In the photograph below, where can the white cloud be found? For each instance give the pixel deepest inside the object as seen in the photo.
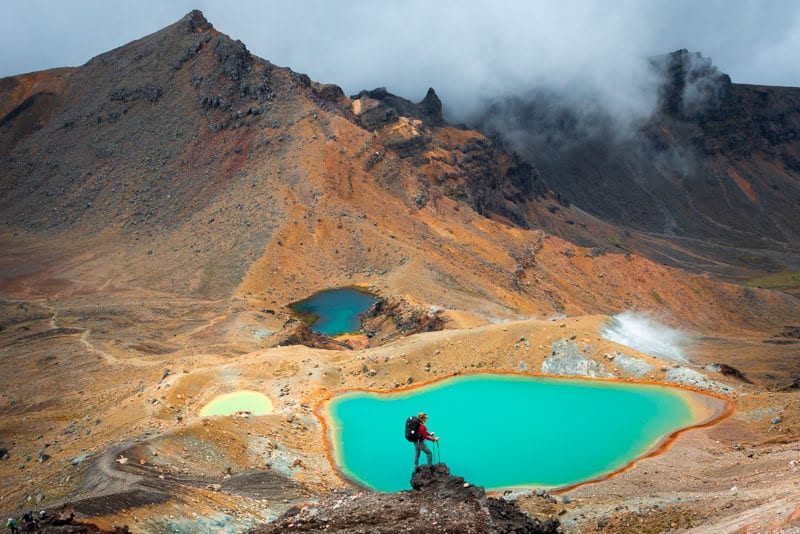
(467, 50)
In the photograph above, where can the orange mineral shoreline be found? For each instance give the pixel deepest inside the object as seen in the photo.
(704, 411)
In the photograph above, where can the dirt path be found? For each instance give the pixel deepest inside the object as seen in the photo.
(108, 490)
(103, 477)
(84, 339)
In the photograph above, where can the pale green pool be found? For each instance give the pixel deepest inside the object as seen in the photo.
(239, 401)
(504, 431)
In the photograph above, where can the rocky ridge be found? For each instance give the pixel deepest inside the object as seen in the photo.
(711, 178)
(439, 502)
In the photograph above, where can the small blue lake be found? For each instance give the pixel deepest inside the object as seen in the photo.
(505, 431)
(336, 311)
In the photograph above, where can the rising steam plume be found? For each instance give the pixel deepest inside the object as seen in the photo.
(645, 334)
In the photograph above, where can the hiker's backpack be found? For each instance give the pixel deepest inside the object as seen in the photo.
(412, 428)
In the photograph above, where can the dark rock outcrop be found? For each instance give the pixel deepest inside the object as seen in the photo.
(693, 88)
(439, 502)
(388, 318)
(299, 333)
(728, 370)
(791, 331)
(428, 110)
(475, 169)
(62, 521)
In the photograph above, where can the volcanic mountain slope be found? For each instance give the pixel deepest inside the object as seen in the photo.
(164, 203)
(711, 181)
(182, 163)
(184, 145)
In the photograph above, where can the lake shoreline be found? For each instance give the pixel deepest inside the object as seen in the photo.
(706, 409)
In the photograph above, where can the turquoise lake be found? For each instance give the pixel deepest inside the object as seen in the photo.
(336, 311)
(505, 431)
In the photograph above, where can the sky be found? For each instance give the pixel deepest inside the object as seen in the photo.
(467, 50)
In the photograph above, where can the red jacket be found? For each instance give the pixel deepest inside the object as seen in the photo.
(424, 434)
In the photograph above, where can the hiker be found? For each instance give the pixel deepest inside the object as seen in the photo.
(11, 525)
(422, 434)
(27, 522)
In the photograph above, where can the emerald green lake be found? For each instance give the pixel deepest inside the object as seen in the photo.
(336, 311)
(505, 431)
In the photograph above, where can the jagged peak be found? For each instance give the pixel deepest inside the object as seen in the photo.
(431, 108)
(428, 110)
(182, 40)
(693, 86)
(196, 21)
(431, 96)
(170, 40)
(193, 22)
(690, 64)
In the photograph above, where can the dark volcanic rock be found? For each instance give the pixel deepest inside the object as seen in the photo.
(728, 370)
(439, 502)
(479, 170)
(299, 333)
(794, 385)
(437, 479)
(791, 331)
(389, 318)
(693, 88)
(62, 521)
(428, 110)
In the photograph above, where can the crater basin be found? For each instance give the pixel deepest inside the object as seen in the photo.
(510, 431)
(336, 311)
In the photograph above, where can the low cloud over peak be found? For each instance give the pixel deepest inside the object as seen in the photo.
(467, 50)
